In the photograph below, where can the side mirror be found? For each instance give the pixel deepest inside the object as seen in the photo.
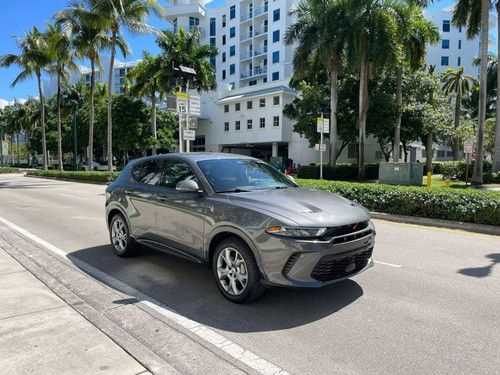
(187, 186)
(290, 177)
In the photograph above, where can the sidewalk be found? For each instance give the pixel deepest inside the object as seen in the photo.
(41, 334)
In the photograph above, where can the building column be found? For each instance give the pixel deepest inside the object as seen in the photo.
(274, 152)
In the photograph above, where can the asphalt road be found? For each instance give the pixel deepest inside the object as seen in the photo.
(430, 305)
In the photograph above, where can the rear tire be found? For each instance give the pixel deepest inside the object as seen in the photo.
(119, 234)
(236, 272)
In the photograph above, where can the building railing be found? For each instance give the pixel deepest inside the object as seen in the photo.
(260, 70)
(246, 16)
(245, 36)
(260, 51)
(261, 10)
(260, 30)
(245, 55)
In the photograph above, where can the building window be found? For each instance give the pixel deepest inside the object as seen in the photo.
(262, 123)
(212, 26)
(459, 61)
(276, 15)
(459, 44)
(226, 108)
(445, 60)
(352, 151)
(199, 144)
(232, 69)
(223, 73)
(223, 40)
(249, 124)
(223, 20)
(223, 56)
(445, 44)
(276, 56)
(232, 32)
(212, 61)
(175, 25)
(449, 154)
(446, 26)
(232, 12)
(276, 36)
(237, 107)
(237, 125)
(459, 29)
(276, 76)
(262, 103)
(193, 21)
(249, 104)
(232, 50)
(252, 82)
(276, 100)
(276, 121)
(226, 126)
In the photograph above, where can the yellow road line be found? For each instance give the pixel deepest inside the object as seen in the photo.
(437, 229)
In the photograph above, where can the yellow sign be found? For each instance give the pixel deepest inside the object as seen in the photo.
(181, 95)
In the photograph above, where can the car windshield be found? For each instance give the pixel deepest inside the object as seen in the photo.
(239, 175)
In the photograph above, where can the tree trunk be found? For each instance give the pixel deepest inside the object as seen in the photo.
(27, 141)
(399, 102)
(456, 141)
(428, 152)
(90, 154)
(18, 158)
(153, 121)
(477, 176)
(110, 103)
(496, 150)
(363, 109)
(334, 87)
(42, 121)
(59, 129)
(12, 160)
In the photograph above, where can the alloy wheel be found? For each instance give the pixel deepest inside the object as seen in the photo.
(232, 271)
(119, 235)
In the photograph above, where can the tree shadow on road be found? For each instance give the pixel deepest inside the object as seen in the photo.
(189, 289)
(482, 271)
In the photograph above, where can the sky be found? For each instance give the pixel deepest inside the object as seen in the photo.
(17, 16)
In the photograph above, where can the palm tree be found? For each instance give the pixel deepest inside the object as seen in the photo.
(32, 59)
(122, 15)
(474, 14)
(32, 112)
(373, 42)
(321, 30)
(457, 83)
(145, 78)
(89, 38)
(61, 55)
(415, 32)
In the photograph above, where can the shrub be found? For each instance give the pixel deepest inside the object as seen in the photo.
(458, 205)
(456, 170)
(8, 170)
(341, 172)
(79, 176)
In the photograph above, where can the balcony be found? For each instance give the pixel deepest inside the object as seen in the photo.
(246, 55)
(246, 16)
(260, 51)
(258, 71)
(245, 36)
(260, 30)
(260, 11)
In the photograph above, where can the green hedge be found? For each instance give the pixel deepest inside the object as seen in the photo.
(456, 170)
(341, 172)
(8, 170)
(79, 176)
(449, 204)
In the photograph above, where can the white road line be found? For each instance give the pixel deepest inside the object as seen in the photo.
(388, 264)
(72, 196)
(204, 332)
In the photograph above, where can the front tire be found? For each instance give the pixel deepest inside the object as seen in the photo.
(236, 272)
(119, 234)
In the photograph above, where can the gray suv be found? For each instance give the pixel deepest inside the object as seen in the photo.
(250, 223)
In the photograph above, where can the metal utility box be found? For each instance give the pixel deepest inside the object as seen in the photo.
(401, 173)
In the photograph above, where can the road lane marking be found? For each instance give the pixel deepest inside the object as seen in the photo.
(72, 196)
(205, 333)
(388, 264)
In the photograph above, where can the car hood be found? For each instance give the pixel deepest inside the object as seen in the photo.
(304, 207)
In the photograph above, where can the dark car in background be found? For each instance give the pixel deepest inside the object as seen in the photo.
(250, 223)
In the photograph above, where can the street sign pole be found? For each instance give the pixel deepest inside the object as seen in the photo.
(468, 147)
(188, 143)
(466, 169)
(1, 146)
(321, 148)
(75, 146)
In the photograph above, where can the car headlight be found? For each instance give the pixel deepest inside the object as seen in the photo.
(297, 232)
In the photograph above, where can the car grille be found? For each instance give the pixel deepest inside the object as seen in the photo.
(289, 263)
(329, 268)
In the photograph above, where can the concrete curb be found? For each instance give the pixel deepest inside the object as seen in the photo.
(424, 221)
(70, 180)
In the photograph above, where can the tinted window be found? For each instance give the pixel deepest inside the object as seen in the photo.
(175, 171)
(247, 174)
(147, 173)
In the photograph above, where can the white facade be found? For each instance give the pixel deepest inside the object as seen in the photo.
(453, 49)
(83, 73)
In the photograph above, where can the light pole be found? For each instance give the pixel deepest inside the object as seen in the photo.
(1, 145)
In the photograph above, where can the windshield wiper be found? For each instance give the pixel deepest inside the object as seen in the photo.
(236, 190)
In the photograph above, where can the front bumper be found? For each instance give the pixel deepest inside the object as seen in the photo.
(315, 263)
